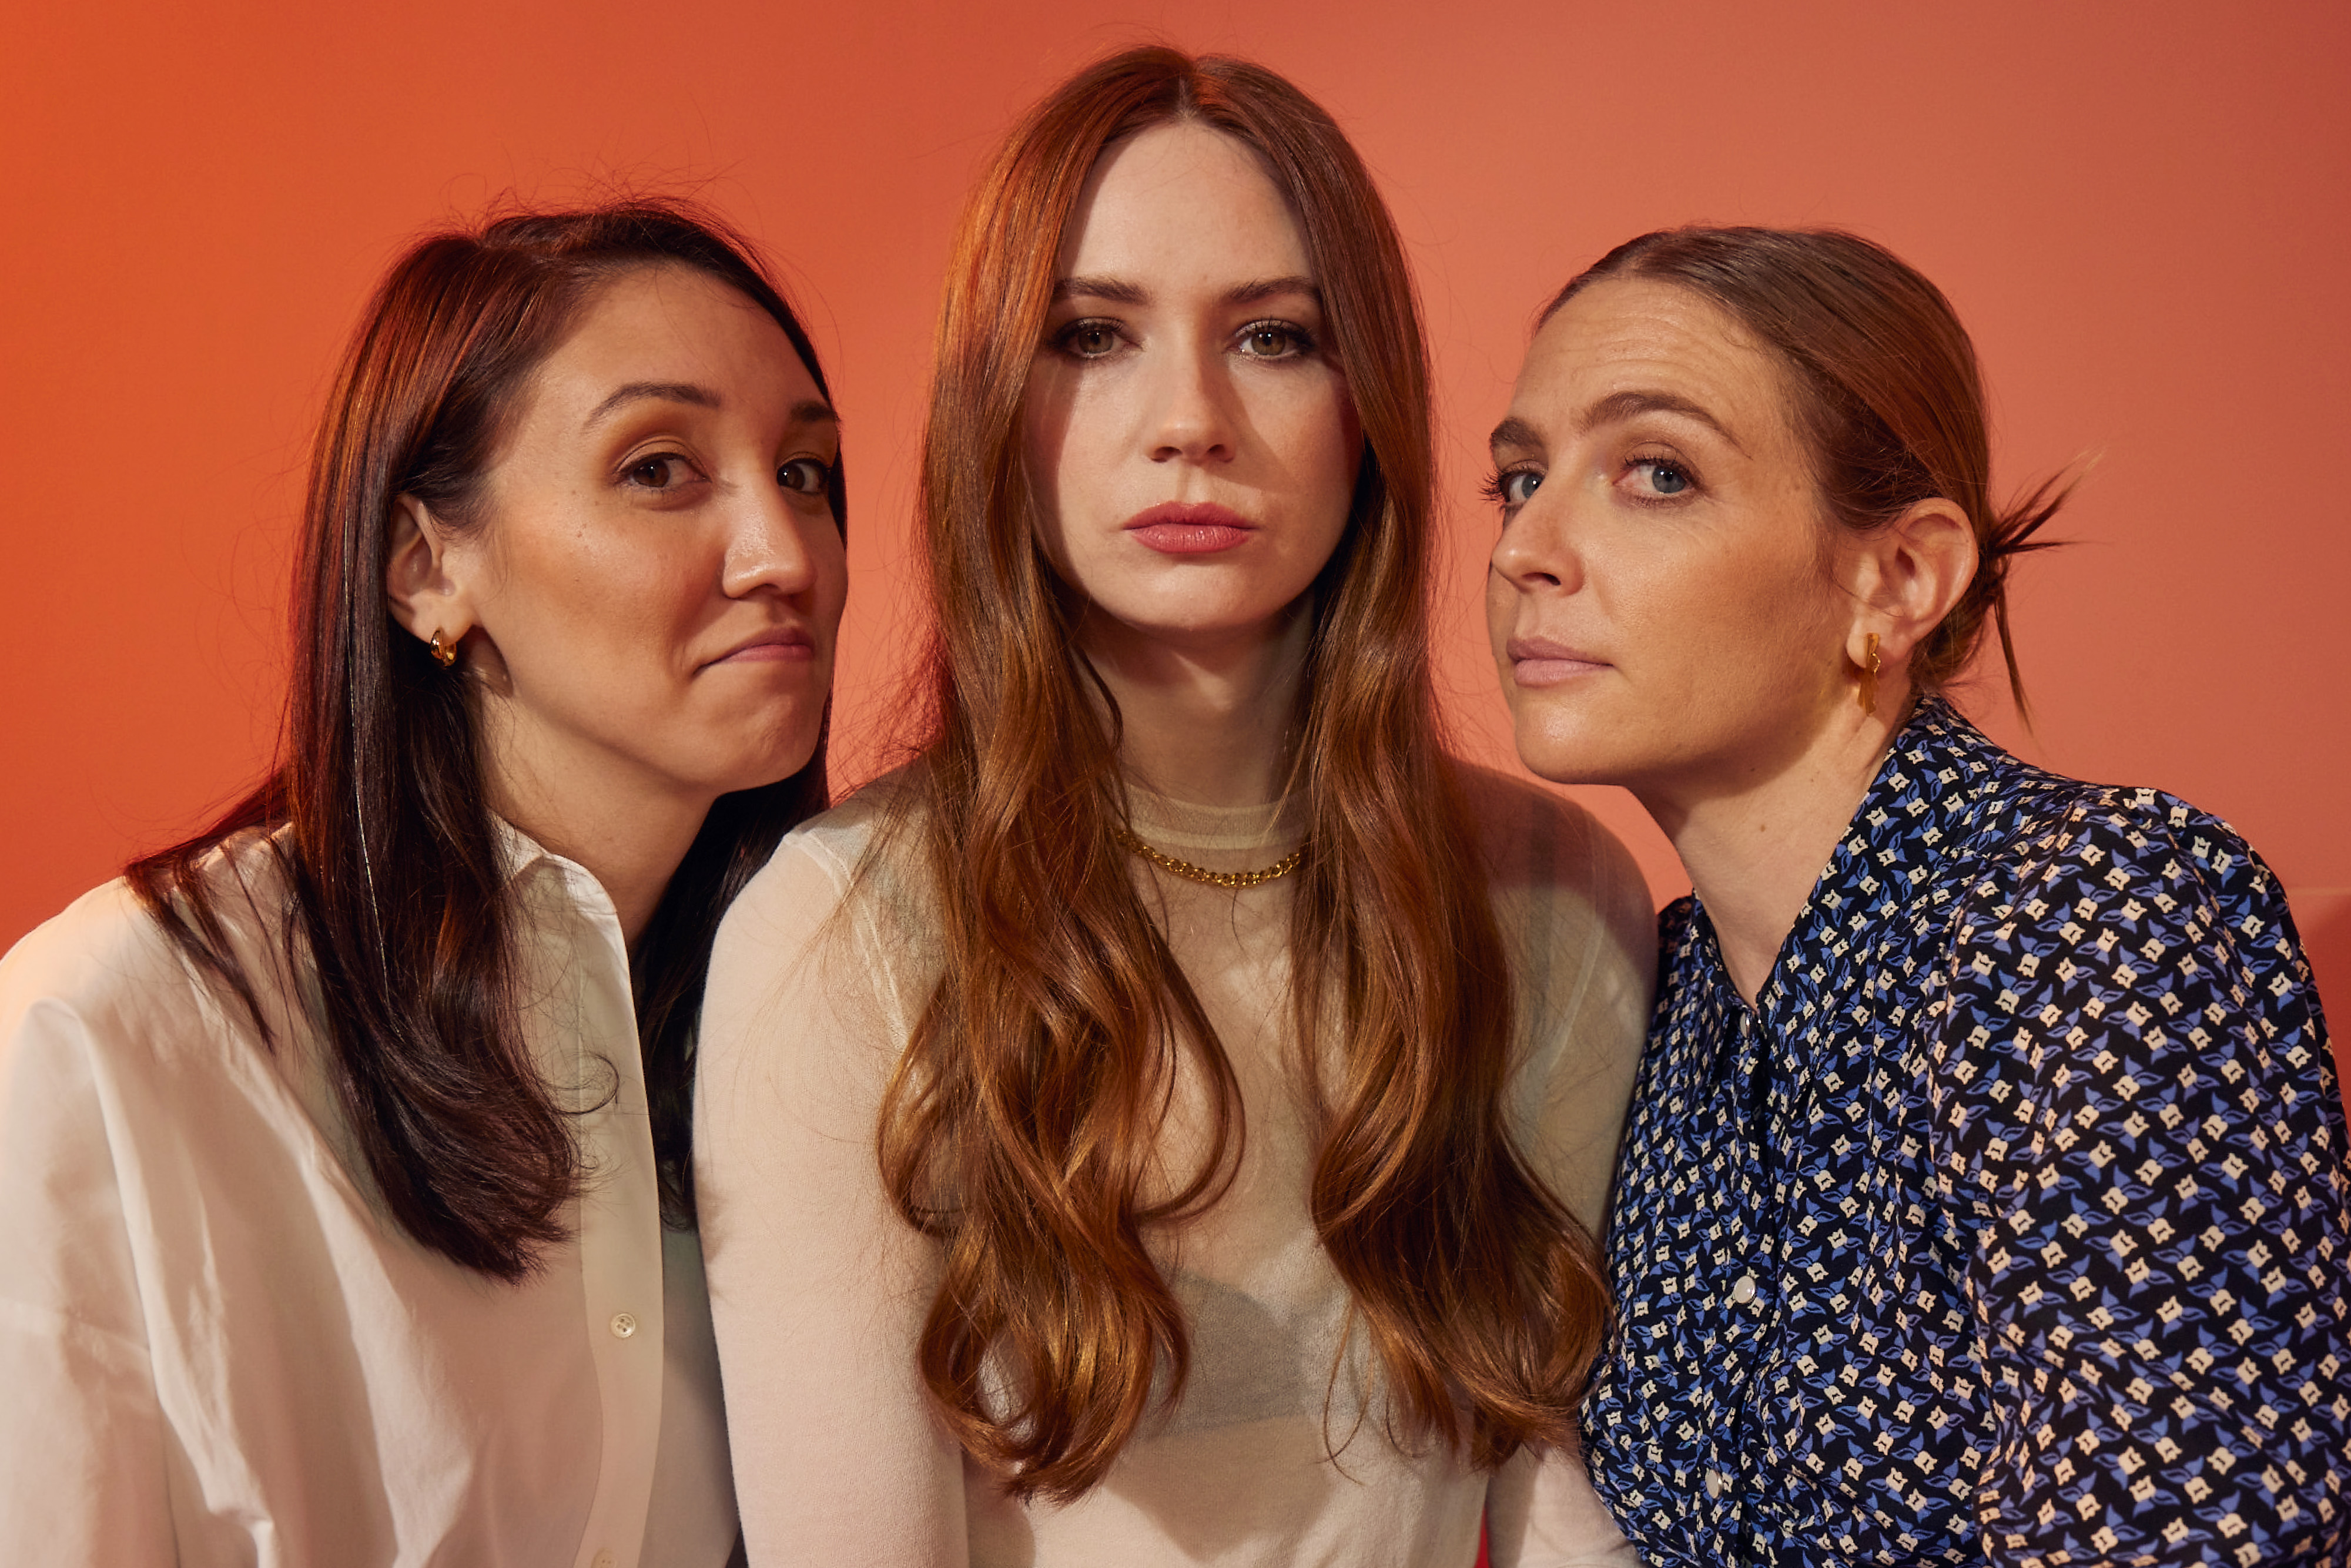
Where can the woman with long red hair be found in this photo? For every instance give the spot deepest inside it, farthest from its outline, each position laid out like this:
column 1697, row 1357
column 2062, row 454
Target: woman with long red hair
column 1168, row 1120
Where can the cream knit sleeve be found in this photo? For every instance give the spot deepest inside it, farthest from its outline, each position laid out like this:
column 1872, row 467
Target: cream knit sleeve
column 818, row 1288
column 1575, row 915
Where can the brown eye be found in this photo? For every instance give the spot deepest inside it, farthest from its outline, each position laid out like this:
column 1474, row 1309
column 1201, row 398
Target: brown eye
column 656, row 473
column 806, row 476
column 1274, row 341
column 1089, row 339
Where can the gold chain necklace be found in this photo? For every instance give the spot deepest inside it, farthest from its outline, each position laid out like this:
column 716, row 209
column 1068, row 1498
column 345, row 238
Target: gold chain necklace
column 1200, row 873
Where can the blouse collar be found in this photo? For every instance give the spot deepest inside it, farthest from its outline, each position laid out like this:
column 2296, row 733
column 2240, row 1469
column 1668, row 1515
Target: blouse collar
column 1924, row 807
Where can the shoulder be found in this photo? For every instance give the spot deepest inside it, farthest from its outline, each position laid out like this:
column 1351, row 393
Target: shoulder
column 2119, row 941
column 2079, row 861
column 864, row 849
column 1549, row 857
column 108, row 957
column 836, row 925
column 1575, row 916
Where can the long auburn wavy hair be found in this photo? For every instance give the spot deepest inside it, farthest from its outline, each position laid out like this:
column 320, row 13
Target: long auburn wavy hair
column 1022, row 1128
column 397, row 901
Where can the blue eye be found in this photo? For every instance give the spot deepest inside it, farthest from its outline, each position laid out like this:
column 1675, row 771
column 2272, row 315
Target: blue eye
column 1664, row 478
column 1510, row 490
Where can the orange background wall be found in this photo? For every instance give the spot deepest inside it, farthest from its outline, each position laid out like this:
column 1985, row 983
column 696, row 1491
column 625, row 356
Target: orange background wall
column 2140, row 210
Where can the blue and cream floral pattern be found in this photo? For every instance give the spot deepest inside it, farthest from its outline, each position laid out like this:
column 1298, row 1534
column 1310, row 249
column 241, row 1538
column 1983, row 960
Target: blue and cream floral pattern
column 2010, row 1223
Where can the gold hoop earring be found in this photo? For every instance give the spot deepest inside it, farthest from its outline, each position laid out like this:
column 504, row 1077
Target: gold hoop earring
column 1868, row 695
column 447, row 652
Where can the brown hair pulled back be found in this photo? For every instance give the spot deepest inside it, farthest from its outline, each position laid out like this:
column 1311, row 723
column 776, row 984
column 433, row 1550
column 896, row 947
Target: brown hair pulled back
column 1022, row 1127
column 1889, row 396
column 398, row 903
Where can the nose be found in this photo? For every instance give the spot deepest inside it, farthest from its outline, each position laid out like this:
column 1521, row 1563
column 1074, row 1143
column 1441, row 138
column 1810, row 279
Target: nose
column 1193, row 417
column 1536, row 553
column 768, row 545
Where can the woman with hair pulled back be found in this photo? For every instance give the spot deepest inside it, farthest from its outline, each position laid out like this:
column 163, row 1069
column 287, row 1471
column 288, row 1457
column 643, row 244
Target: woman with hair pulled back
column 345, row 1201
column 1166, row 1121
column 1983, row 1197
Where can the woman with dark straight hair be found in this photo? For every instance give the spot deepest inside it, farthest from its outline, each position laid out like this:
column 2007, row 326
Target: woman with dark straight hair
column 1166, row 1121
column 346, row 1212
column 1983, row 1197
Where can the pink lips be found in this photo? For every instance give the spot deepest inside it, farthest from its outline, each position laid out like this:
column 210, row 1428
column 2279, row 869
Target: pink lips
column 1189, row 527
column 777, row 645
column 1540, row 661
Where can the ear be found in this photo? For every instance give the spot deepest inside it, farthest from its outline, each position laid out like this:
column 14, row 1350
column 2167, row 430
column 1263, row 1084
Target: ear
column 1905, row 578
column 427, row 596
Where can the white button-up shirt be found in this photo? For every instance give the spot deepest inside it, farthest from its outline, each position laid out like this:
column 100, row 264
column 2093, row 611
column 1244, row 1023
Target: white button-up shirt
column 216, row 1347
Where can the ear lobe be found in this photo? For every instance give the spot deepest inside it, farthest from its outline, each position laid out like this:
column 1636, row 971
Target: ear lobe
column 1911, row 572
column 423, row 595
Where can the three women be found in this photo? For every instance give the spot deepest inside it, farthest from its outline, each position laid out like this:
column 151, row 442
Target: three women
column 1170, row 1118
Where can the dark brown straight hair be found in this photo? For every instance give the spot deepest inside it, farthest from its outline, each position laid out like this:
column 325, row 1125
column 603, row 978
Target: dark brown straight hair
column 1022, row 1129
column 397, row 902
column 1889, row 396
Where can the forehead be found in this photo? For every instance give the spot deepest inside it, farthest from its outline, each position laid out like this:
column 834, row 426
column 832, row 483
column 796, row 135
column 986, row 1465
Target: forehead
column 1639, row 334
column 1182, row 202
column 672, row 323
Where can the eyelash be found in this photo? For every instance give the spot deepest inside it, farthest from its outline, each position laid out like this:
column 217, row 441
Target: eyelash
column 1301, row 342
column 822, row 487
column 1496, row 488
column 1689, row 479
column 628, row 473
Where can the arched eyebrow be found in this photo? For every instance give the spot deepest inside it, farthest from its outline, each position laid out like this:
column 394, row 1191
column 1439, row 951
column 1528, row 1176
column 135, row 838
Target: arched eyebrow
column 637, row 392
column 810, row 411
column 1119, row 291
column 1515, row 433
column 1625, row 405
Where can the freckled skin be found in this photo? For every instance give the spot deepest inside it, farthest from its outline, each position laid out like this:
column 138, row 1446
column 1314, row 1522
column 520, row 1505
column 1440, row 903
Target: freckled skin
column 1716, row 607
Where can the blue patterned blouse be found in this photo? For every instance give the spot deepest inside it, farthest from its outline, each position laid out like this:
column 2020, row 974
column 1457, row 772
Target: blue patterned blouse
column 2010, row 1223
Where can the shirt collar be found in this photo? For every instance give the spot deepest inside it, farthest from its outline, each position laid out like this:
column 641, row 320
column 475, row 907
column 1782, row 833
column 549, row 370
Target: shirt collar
column 517, row 850
column 1922, row 807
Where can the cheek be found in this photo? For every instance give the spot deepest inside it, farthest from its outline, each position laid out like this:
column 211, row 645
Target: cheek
column 1323, row 426
column 1737, row 627
column 599, row 608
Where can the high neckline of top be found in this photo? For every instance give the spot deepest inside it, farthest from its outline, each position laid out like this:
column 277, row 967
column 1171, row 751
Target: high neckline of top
column 1169, row 825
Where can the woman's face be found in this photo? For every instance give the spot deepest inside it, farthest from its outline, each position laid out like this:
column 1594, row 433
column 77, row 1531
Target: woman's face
column 1664, row 601
column 1187, row 434
column 657, row 583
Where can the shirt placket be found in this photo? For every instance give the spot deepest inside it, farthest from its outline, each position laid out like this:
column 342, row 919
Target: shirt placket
column 1739, row 1291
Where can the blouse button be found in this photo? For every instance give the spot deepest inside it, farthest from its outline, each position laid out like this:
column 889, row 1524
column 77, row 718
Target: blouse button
column 623, row 1325
column 1742, row 1290
column 1717, row 1483
column 604, row 1558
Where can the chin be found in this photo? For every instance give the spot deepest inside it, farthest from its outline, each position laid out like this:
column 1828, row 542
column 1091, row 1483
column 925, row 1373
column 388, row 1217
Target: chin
column 1568, row 748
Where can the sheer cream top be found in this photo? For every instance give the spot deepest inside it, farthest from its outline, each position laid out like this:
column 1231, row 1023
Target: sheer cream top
column 818, row 1289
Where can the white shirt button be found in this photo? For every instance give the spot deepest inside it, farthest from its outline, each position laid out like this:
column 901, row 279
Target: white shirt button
column 1717, row 1483
column 623, row 1326
column 1742, row 1290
